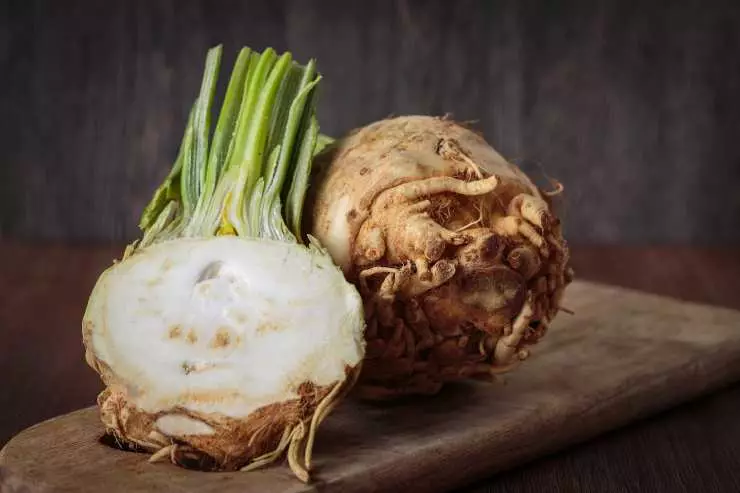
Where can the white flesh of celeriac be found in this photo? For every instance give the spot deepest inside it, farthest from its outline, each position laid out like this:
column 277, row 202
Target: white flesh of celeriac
column 223, row 325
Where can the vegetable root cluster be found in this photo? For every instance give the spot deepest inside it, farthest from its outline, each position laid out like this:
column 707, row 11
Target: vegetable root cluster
column 459, row 257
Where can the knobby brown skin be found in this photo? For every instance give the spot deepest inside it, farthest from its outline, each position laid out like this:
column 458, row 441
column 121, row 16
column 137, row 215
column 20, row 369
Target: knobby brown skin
column 267, row 435
column 459, row 257
column 234, row 443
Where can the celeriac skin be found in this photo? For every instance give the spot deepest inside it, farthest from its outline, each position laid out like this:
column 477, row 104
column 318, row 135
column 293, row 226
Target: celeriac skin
column 459, row 257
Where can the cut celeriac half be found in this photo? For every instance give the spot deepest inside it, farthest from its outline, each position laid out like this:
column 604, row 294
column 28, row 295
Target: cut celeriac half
column 224, row 336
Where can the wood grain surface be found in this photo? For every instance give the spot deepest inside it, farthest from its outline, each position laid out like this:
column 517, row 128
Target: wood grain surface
column 694, row 447
column 623, row 355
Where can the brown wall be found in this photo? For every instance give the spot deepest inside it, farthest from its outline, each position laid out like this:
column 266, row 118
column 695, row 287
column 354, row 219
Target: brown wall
column 635, row 106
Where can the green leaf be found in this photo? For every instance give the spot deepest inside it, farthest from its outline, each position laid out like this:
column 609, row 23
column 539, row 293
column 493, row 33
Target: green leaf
column 170, row 188
column 280, row 116
column 196, row 154
column 299, row 186
column 287, row 162
column 291, row 129
column 258, row 131
column 226, row 126
column 323, row 141
column 236, row 182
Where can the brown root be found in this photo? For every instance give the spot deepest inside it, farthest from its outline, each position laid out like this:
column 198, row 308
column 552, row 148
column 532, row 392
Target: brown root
column 559, row 188
column 297, row 439
column 419, row 325
column 533, row 209
column 164, row 452
column 506, row 346
column 422, row 269
column 273, row 456
column 515, row 226
column 440, row 184
column 484, row 249
column 447, row 244
column 373, row 271
column 325, row 408
column 259, row 440
column 525, row 260
column 440, row 273
column 450, row 149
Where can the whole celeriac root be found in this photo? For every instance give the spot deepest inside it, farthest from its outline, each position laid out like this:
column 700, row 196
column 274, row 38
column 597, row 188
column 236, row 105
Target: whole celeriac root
column 459, row 258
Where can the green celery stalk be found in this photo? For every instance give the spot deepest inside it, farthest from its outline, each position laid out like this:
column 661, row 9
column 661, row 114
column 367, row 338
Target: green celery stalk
column 235, row 181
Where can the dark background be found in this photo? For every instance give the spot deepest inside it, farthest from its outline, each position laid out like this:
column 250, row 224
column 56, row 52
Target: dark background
column 634, row 105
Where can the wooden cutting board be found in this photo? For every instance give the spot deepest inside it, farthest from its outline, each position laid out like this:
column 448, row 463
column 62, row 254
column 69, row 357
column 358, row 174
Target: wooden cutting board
column 623, row 355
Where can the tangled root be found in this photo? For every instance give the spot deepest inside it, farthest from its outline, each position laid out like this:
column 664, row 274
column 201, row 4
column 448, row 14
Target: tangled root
column 253, row 441
column 450, row 245
column 423, row 264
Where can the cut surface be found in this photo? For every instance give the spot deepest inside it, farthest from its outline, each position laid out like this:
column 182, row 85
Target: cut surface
column 202, row 325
